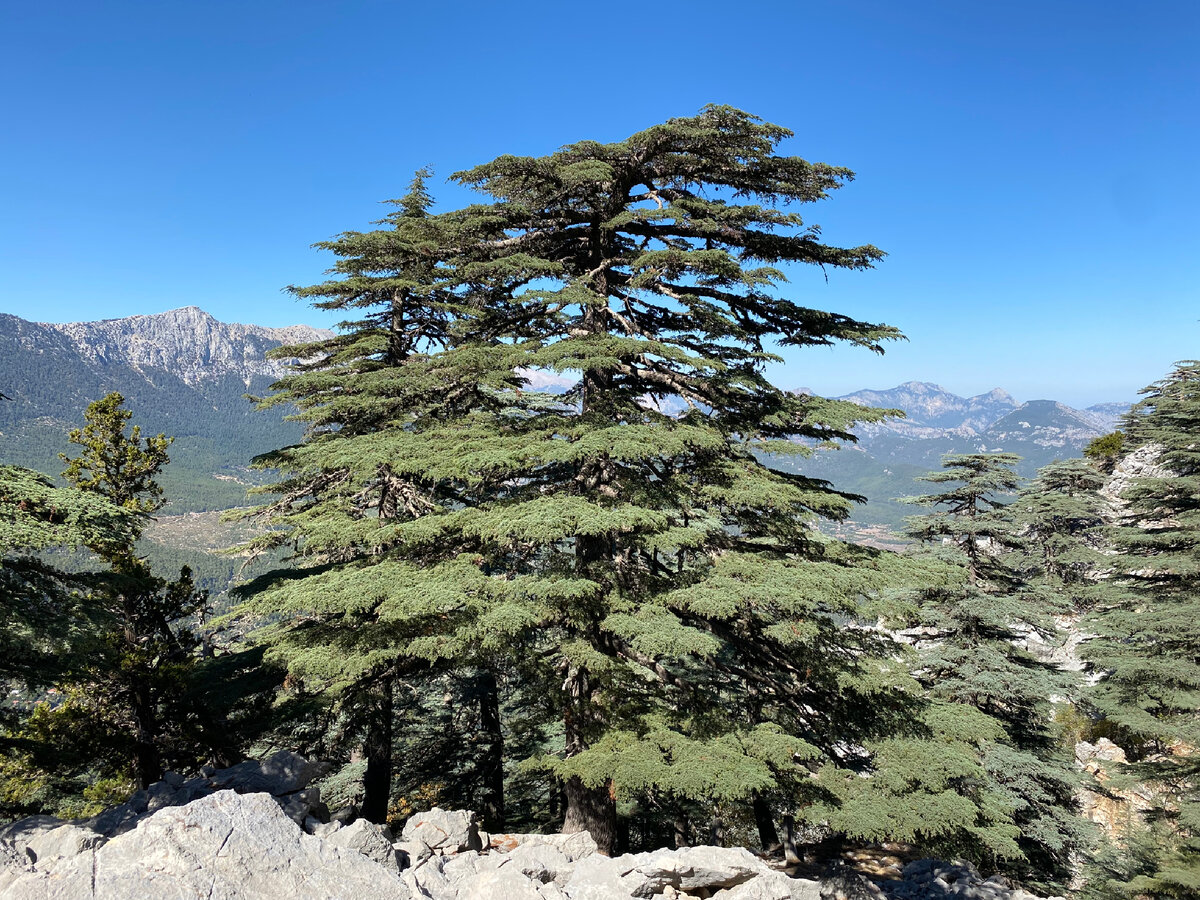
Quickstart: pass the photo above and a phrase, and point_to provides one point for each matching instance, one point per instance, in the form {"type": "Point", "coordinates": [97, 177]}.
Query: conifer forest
{"type": "Point", "coordinates": [625, 607]}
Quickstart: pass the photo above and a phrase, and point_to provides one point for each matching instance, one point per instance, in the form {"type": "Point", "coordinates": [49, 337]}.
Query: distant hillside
{"type": "Point", "coordinates": [889, 456]}
{"type": "Point", "coordinates": [186, 374]}
{"type": "Point", "coordinates": [182, 372]}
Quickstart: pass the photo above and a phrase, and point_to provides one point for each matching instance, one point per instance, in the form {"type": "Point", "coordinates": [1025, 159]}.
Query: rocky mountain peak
{"type": "Point", "coordinates": [996, 395]}
{"type": "Point", "coordinates": [927, 405]}
{"type": "Point", "coordinates": [188, 342]}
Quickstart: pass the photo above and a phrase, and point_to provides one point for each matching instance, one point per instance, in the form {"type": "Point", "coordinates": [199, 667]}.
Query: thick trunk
{"type": "Point", "coordinates": [767, 835]}
{"type": "Point", "coordinates": [592, 809]}
{"type": "Point", "coordinates": [377, 748]}
{"type": "Point", "coordinates": [492, 754]}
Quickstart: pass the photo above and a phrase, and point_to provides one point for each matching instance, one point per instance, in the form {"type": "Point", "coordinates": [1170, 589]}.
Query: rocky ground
{"type": "Point", "coordinates": [257, 831]}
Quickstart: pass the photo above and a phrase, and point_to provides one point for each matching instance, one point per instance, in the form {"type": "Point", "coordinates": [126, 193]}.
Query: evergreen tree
{"type": "Point", "coordinates": [970, 655]}
{"type": "Point", "coordinates": [1106, 450]}
{"type": "Point", "coordinates": [44, 611]}
{"type": "Point", "coordinates": [1063, 520]}
{"type": "Point", "coordinates": [655, 584]}
{"type": "Point", "coordinates": [364, 393]}
{"type": "Point", "coordinates": [139, 657]}
{"type": "Point", "coordinates": [1147, 645]}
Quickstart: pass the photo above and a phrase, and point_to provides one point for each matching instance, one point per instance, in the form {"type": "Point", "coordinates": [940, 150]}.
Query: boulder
{"type": "Point", "coordinates": [843, 883]}
{"type": "Point", "coordinates": [371, 840]}
{"type": "Point", "coordinates": [596, 878]}
{"type": "Point", "coordinates": [62, 842]}
{"type": "Point", "coordinates": [20, 832]}
{"type": "Point", "coordinates": [429, 880]}
{"type": "Point", "coordinates": [500, 884]}
{"type": "Point", "coordinates": [283, 772]}
{"type": "Point", "coordinates": [540, 862]}
{"type": "Point", "coordinates": [411, 853]}
{"type": "Point", "coordinates": [302, 804]}
{"type": "Point", "coordinates": [227, 845]}
{"type": "Point", "coordinates": [460, 867]}
{"type": "Point", "coordinates": [771, 886]}
{"type": "Point", "coordinates": [692, 869]}
{"type": "Point", "coordinates": [447, 831]}
{"type": "Point", "coordinates": [572, 846]}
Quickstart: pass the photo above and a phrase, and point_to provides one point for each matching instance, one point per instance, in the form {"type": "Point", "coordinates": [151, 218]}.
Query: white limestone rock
{"type": "Point", "coordinates": [449, 831]}
{"type": "Point", "coordinates": [227, 846]}
{"type": "Point", "coordinates": [371, 840]}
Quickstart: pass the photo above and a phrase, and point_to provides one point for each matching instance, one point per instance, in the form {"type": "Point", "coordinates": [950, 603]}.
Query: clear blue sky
{"type": "Point", "coordinates": [1031, 168]}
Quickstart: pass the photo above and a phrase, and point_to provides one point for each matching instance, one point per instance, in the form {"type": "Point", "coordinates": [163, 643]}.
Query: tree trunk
{"type": "Point", "coordinates": [716, 832]}
{"type": "Point", "coordinates": [682, 830]}
{"type": "Point", "coordinates": [147, 765]}
{"type": "Point", "coordinates": [492, 755]}
{"type": "Point", "coordinates": [377, 748]}
{"type": "Point", "coordinates": [591, 809]}
{"type": "Point", "coordinates": [791, 855]}
{"type": "Point", "coordinates": [767, 835]}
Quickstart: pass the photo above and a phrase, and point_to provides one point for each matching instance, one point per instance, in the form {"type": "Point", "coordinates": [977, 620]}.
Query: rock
{"type": "Point", "coordinates": [371, 840]}
{"type": "Point", "coordinates": [694, 868]}
{"type": "Point", "coordinates": [499, 884]}
{"type": "Point", "coordinates": [64, 841]}
{"type": "Point", "coordinates": [237, 846]}
{"type": "Point", "coordinates": [596, 878]}
{"type": "Point", "coordinates": [572, 846]}
{"type": "Point", "coordinates": [447, 831]}
{"type": "Point", "coordinates": [283, 772]}
{"type": "Point", "coordinates": [324, 829]}
{"type": "Point", "coordinates": [412, 853]}
{"type": "Point", "coordinates": [771, 886]}
{"type": "Point", "coordinates": [345, 815]}
{"type": "Point", "coordinates": [226, 845]}
{"type": "Point", "coordinates": [429, 880]}
{"type": "Point", "coordinates": [300, 805]}
{"type": "Point", "coordinates": [539, 862]}
{"type": "Point", "coordinates": [13, 864]}
{"type": "Point", "coordinates": [460, 867]}
{"type": "Point", "coordinates": [843, 883]}
{"type": "Point", "coordinates": [1141, 463]}
{"type": "Point", "coordinates": [115, 821]}
{"type": "Point", "coordinates": [22, 831]}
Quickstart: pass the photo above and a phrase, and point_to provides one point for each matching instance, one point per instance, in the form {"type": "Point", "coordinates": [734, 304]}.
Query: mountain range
{"type": "Point", "coordinates": [182, 373]}
{"type": "Point", "coordinates": [186, 374]}
{"type": "Point", "coordinates": [888, 457]}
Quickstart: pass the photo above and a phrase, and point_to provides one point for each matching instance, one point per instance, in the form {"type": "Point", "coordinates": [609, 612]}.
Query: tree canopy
{"type": "Point", "coordinates": [651, 570]}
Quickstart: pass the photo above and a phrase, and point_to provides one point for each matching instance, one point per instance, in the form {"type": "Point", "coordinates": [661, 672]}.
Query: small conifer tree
{"type": "Point", "coordinates": [971, 656]}
{"type": "Point", "coordinates": [140, 654]}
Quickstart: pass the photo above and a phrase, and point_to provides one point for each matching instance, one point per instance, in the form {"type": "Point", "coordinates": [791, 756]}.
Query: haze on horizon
{"type": "Point", "coordinates": [1029, 169]}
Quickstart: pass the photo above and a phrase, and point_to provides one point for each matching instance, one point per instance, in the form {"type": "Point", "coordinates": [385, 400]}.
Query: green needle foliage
{"type": "Point", "coordinates": [970, 657]}
{"type": "Point", "coordinates": [663, 587]}
{"type": "Point", "coordinates": [42, 607]}
{"type": "Point", "coordinates": [1063, 520]}
{"type": "Point", "coordinates": [126, 682]}
{"type": "Point", "coordinates": [1147, 644]}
